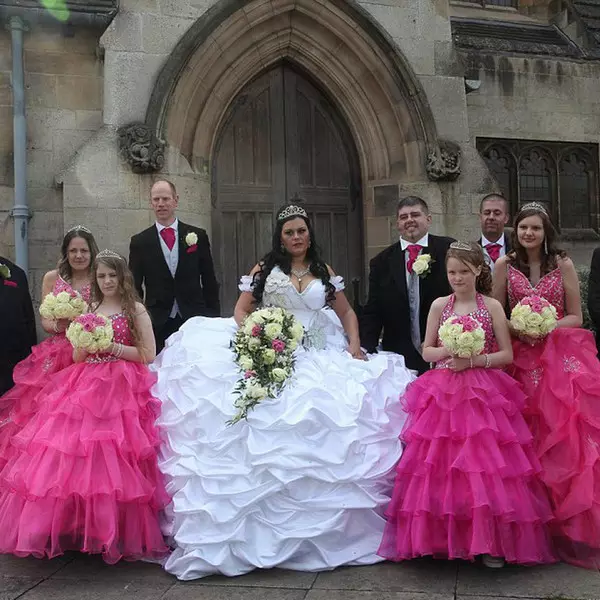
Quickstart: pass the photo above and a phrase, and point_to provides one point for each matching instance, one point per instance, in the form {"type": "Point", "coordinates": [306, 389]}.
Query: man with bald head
{"type": "Point", "coordinates": [172, 267]}
{"type": "Point", "coordinates": [494, 215]}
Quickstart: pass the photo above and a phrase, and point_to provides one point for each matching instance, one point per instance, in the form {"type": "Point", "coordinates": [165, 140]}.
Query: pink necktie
{"type": "Point", "coordinates": [494, 251]}
{"type": "Point", "coordinates": [413, 252]}
{"type": "Point", "coordinates": [168, 235]}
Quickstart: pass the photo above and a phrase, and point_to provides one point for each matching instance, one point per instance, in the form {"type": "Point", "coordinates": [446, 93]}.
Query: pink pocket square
{"type": "Point", "coordinates": [192, 249]}
{"type": "Point", "coordinates": [10, 283]}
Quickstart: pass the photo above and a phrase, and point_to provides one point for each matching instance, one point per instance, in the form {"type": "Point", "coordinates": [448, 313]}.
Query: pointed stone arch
{"type": "Point", "coordinates": [336, 41]}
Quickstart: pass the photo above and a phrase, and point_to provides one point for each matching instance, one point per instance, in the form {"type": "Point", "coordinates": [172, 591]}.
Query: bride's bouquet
{"type": "Point", "coordinates": [533, 317]}
{"type": "Point", "coordinates": [462, 336]}
{"type": "Point", "coordinates": [64, 305]}
{"type": "Point", "coordinates": [91, 332]}
{"type": "Point", "coordinates": [264, 351]}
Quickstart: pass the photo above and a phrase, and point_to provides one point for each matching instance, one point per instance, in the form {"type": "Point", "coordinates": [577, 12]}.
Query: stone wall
{"type": "Point", "coordinates": [538, 99]}
{"type": "Point", "coordinates": [63, 79]}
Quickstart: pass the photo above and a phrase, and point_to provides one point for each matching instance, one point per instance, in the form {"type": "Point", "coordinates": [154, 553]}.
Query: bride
{"type": "Point", "coordinates": [302, 482]}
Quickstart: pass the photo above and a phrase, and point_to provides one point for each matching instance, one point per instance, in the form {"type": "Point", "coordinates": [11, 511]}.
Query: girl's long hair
{"type": "Point", "coordinates": [474, 257]}
{"type": "Point", "coordinates": [549, 251]}
{"type": "Point", "coordinates": [278, 256]}
{"type": "Point", "coordinates": [64, 268]}
{"type": "Point", "coordinates": [129, 296]}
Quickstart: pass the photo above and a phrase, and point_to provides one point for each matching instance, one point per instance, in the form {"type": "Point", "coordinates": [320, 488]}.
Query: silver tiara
{"type": "Point", "coordinates": [109, 254]}
{"type": "Point", "coordinates": [80, 228]}
{"type": "Point", "coordinates": [534, 206]}
{"type": "Point", "coordinates": [461, 246]}
{"type": "Point", "coordinates": [292, 211]}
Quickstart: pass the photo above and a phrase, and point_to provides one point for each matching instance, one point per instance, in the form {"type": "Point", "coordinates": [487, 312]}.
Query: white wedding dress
{"type": "Point", "coordinates": [303, 482]}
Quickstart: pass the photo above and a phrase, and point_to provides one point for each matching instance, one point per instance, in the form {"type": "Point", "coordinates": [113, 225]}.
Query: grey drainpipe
{"type": "Point", "coordinates": [20, 211]}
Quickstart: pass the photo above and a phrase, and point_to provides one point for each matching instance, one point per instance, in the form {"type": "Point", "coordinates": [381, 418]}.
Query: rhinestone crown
{"type": "Point", "coordinates": [79, 228]}
{"type": "Point", "coordinates": [461, 246]}
{"type": "Point", "coordinates": [109, 254]}
{"type": "Point", "coordinates": [292, 211]}
{"type": "Point", "coordinates": [534, 206]}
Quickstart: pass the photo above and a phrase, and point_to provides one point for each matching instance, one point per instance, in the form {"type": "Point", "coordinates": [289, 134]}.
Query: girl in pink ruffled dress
{"type": "Point", "coordinates": [84, 473]}
{"type": "Point", "coordinates": [467, 482]}
{"type": "Point", "coordinates": [74, 274]}
{"type": "Point", "coordinates": [561, 375]}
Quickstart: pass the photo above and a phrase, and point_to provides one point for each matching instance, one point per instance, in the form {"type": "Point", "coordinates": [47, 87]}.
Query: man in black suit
{"type": "Point", "coordinates": [172, 262]}
{"type": "Point", "coordinates": [494, 215]}
{"type": "Point", "coordinates": [17, 326]}
{"type": "Point", "coordinates": [593, 300]}
{"type": "Point", "coordinates": [403, 283]}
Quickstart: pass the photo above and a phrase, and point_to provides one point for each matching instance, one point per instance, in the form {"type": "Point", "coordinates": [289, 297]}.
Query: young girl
{"type": "Point", "coordinates": [560, 374]}
{"type": "Point", "coordinates": [84, 474]}
{"type": "Point", "coordinates": [466, 484]}
{"type": "Point", "coordinates": [74, 274]}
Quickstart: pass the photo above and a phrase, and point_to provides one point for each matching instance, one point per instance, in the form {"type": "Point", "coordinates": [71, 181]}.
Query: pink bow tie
{"type": "Point", "coordinates": [494, 251]}
{"type": "Point", "coordinates": [168, 235]}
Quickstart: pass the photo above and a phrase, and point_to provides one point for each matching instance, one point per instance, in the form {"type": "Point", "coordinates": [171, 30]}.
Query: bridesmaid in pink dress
{"type": "Point", "coordinates": [467, 482]}
{"type": "Point", "coordinates": [83, 475]}
{"type": "Point", "coordinates": [78, 251]}
{"type": "Point", "coordinates": [561, 376]}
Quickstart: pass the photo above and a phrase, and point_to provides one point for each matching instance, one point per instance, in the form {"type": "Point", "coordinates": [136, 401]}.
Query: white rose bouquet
{"type": "Point", "coordinates": [64, 305]}
{"type": "Point", "coordinates": [533, 317]}
{"type": "Point", "coordinates": [91, 332]}
{"type": "Point", "coordinates": [422, 265]}
{"type": "Point", "coordinates": [264, 351]}
{"type": "Point", "coordinates": [462, 336]}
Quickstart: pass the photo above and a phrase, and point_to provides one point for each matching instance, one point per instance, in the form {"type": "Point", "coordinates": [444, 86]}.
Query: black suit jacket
{"type": "Point", "coordinates": [388, 307]}
{"type": "Point", "coordinates": [17, 326]}
{"type": "Point", "coordinates": [194, 286]}
{"type": "Point", "coordinates": [593, 301]}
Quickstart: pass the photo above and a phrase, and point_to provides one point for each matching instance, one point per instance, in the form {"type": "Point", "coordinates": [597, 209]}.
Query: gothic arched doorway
{"type": "Point", "coordinates": [282, 139]}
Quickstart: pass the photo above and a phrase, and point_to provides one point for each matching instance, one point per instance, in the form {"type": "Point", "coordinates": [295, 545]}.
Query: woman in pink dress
{"type": "Point", "coordinates": [561, 375]}
{"type": "Point", "coordinates": [467, 482]}
{"type": "Point", "coordinates": [78, 251]}
{"type": "Point", "coordinates": [84, 472]}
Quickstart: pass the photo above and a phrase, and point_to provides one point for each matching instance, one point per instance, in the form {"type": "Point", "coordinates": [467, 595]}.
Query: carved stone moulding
{"type": "Point", "coordinates": [141, 148]}
{"type": "Point", "coordinates": [443, 162]}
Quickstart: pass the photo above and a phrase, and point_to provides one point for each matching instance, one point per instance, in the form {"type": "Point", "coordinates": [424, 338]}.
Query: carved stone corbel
{"type": "Point", "coordinates": [141, 148]}
{"type": "Point", "coordinates": [443, 162]}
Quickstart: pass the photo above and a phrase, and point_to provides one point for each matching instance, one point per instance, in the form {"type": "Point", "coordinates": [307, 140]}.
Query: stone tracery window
{"type": "Point", "coordinates": [563, 177]}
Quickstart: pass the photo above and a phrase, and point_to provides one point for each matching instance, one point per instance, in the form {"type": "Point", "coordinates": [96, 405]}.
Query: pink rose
{"type": "Point", "coordinates": [278, 345]}
{"type": "Point", "coordinates": [256, 330]}
{"type": "Point", "coordinates": [249, 374]}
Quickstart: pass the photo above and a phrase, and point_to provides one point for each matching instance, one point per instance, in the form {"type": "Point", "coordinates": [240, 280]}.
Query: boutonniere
{"type": "Point", "coordinates": [422, 265]}
{"type": "Point", "coordinates": [5, 275]}
{"type": "Point", "coordinates": [191, 239]}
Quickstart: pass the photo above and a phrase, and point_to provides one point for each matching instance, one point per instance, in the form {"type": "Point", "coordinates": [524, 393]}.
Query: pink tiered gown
{"type": "Point", "coordinates": [467, 482]}
{"type": "Point", "coordinates": [84, 472]}
{"type": "Point", "coordinates": [31, 375]}
{"type": "Point", "coordinates": [561, 376]}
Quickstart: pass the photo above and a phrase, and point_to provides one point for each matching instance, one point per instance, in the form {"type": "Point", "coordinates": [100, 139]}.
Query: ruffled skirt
{"type": "Point", "coordinates": [562, 378]}
{"type": "Point", "coordinates": [83, 473]}
{"type": "Point", "coordinates": [467, 483]}
{"type": "Point", "coordinates": [302, 483]}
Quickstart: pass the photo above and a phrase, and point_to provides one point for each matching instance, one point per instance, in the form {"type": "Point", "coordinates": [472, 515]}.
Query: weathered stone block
{"type": "Point", "coordinates": [40, 90]}
{"type": "Point", "coordinates": [40, 168]}
{"type": "Point", "coordinates": [124, 33]}
{"type": "Point", "coordinates": [160, 34]}
{"type": "Point", "coordinates": [88, 119]}
{"type": "Point", "coordinates": [79, 92]}
{"type": "Point", "coordinates": [66, 142]}
{"type": "Point", "coordinates": [46, 227]}
{"type": "Point", "coordinates": [61, 63]}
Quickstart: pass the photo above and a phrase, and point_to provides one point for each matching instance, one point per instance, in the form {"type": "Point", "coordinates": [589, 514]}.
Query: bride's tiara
{"type": "Point", "coordinates": [461, 246]}
{"type": "Point", "coordinates": [79, 228]}
{"type": "Point", "coordinates": [292, 211]}
{"type": "Point", "coordinates": [534, 206]}
{"type": "Point", "coordinates": [109, 254]}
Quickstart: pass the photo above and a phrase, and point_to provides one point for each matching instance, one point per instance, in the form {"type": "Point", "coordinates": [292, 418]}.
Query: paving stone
{"type": "Point", "coordinates": [76, 589]}
{"type": "Point", "coordinates": [356, 595]}
{"type": "Point", "coordinates": [184, 591]}
{"type": "Point", "coordinates": [552, 581]}
{"type": "Point", "coordinates": [93, 568]}
{"type": "Point", "coordinates": [428, 576]}
{"type": "Point", "coordinates": [13, 587]}
{"type": "Point", "coordinates": [31, 568]}
{"type": "Point", "coordinates": [266, 578]}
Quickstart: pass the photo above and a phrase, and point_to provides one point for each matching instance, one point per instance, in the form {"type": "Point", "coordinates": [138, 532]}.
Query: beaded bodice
{"type": "Point", "coordinates": [550, 287]}
{"type": "Point", "coordinates": [481, 315]}
{"type": "Point", "coordinates": [121, 335]}
{"type": "Point", "coordinates": [64, 286]}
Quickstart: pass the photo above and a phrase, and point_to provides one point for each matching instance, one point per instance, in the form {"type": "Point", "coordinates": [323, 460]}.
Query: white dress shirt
{"type": "Point", "coordinates": [485, 242]}
{"type": "Point", "coordinates": [171, 256]}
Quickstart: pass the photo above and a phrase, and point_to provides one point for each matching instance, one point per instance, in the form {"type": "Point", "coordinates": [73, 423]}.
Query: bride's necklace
{"type": "Point", "coordinates": [300, 273]}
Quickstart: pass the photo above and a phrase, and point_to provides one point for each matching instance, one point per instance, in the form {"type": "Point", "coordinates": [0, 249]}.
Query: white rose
{"type": "Point", "coordinates": [272, 330]}
{"type": "Point", "coordinates": [63, 297]}
{"type": "Point", "coordinates": [257, 392]}
{"type": "Point", "coordinates": [246, 363]}
{"type": "Point", "coordinates": [191, 239]}
{"type": "Point", "coordinates": [421, 264]}
{"type": "Point", "coordinates": [297, 331]}
{"type": "Point", "coordinates": [253, 343]}
{"type": "Point", "coordinates": [269, 356]}
{"type": "Point", "coordinates": [279, 375]}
